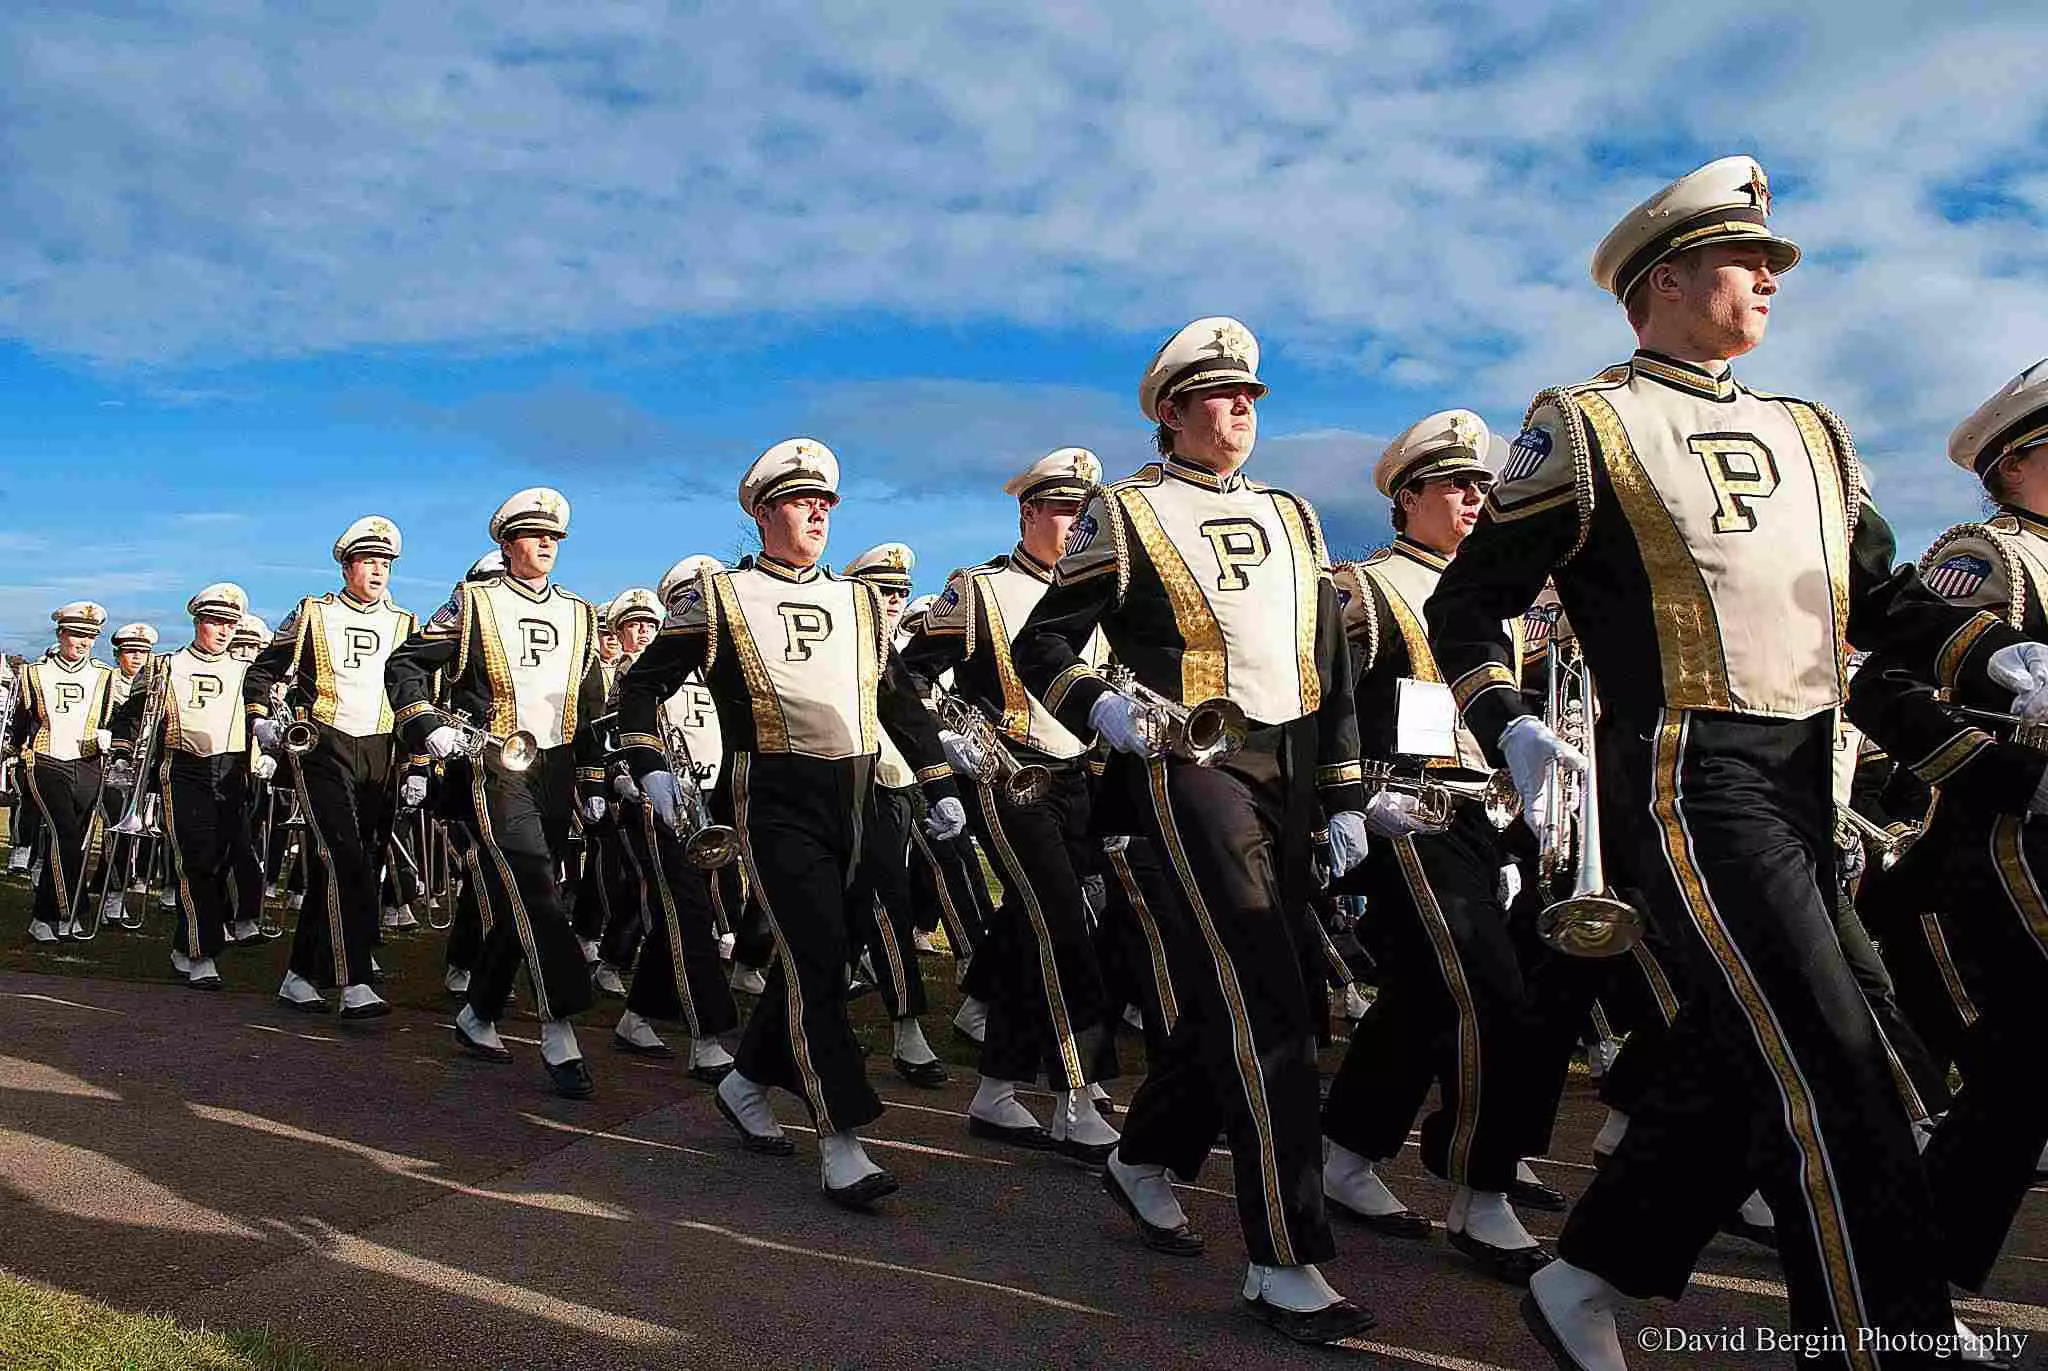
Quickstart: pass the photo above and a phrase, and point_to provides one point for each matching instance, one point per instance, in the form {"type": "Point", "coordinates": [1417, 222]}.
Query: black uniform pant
{"type": "Point", "coordinates": [344, 791]}
{"type": "Point", "coordinates": [1777, 1075]}
{"type": "Point", "coordinates": [1981, 1161]}
{"type": "Point", "coordinates": [1241, 1057]}
{"type": "Point", "coordinates": [206, 823]}
{"type": "Point", "coordinates": [799, 825]}
{"type": "Point", "coordinates": [607, 894]}
{"type": "Point", "coordinates": [63, 793]}
{"type": "Point", "coordinates": [880, 903]}
{"type": "Point", "coordinates": [1451, 1009]}
{"type": "Point", "coordinates": [471, 920]}
{"type": "Point", "coordinates": [25, 822]}
{"type": "Point", "coordinates": [1140, 899]}
{"type": "Point", "coordinates": [678, 976]}
{"type": "Point", "coordinates": [950, 890]}
{"type": "Point", "coordinates": [518, 822]}
{"type": "Point", "coordinates": [1048, 1009]}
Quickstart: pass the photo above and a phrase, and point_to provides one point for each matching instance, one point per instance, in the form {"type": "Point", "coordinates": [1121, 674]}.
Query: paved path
{"type": "Point", "coordinates": [375, 1194]}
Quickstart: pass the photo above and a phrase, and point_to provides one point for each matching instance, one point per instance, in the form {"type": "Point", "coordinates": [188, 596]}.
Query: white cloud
{"type": "Point", "coordinates": [1406, 196]}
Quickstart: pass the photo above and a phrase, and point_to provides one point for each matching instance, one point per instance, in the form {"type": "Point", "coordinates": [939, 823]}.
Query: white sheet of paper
{"type": "Point", "coordinates": [1425, 719]}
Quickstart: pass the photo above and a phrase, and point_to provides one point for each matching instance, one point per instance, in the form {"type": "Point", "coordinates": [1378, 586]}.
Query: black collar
{"type": "Point", "coordinates": [1201, 476]}
{"type": "Point", "coordinates": [74, 668]}
{"type": "Point", "coordinates": [783, 571]}
{"type": "Point", "coordinates": [203, 656]}
{"type": "Point", "coordinates": [1029, 565]}
{"type": "Point", "coordinates": [1688, 377]}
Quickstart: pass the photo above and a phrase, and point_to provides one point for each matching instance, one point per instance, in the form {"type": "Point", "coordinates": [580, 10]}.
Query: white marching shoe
{"type": "Point", "coordinates": [745, 1106]}
{"type": "Point", "coordinates": [1484, 1226]}
{"type": "Point", "coordinates": [1356, 1191]}
{"type": "Point", "coordinates": [749, 980]}
{"type": "Point", "coordinates": [18, 860]}
{"type": "Point", "coordinates": [1297, 1302]}
{"type": "Point", "coordinates": [995, 1113]}
{"type": "Point", "coordinates": [1571, 1312]}
{"type": "Point", "coordinates": [41, 932]}
{"type": "Point", "coordinates": [606, 979]}
{"type": "Point", "coordinates": [848, 1176]}
{"type": "Point", "coordinates": [358, 1001]}
{"type": "Point", "coordinates": [635, 1036]}
{"type": "Point", "coordinates": [972, 1019]}
{"type": "Point", "coordinates": [457, 981]}
{"type": "Point", "coordinates": [1078, 1130]}
{"type": "Point", "coordinates": [301, 994]}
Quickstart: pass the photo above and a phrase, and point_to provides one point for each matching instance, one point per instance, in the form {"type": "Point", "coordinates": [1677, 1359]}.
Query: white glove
{"type": "Point", "coordinates": [412, 792]}
{"type": "Point", "coordinates": [1116, 842]}
{"type": "Point", "coordinates": [269, 733]}
{"type": "Point", "coordinates": [1114, 716]}
{"type": "Point", "coordinates": [1347, 841]}
{"type": "Point", "coordinates": [1397, 814]}
{"type": "Point", "coordinates": [102, 741]}
{"type": "Point", "coordinates": [665, 794]}
{"type": "Point", "coordinates": [1095, 893]}
{"type": "Point", "coordinates": [962, 753]}
{"type": "Point", "coordinates": [1510, 884]}
{"type": "Point", "coordinates": [444, 742]}
{"type": "Point", "coordinates": [623, 787]}
{"type": "Point", "coordinates": [593, 809]}
{"type": "Point", "coordinates": [1531, 750]}
{"type": "Point", "coordinates": [2022, 668]}
{"type": "Point", "coordinates": [1854, 858]}
{"type": "Point", "coordinates": [947, 821]}
{"type": "Point", "coordinates": [263, 767]}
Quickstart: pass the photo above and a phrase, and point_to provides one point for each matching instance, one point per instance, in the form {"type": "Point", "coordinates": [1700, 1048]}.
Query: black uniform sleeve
{"type": "Point", "coordinates": [1891, 610]}
{"type": "Point", "coordinates": [929, 656]}
{"type": "Point", "coordinates": [590, 749]}
{"type": "Point", "coordinates": [273, 664]}
{"type": "Point", "coordinates": [1339, 776]}
{"type": "Point", "coordinates": [1498, 573]}
{"type": "Point", "coordinates": [126, 720]}
{"type": "Point", "coordinates": [1910, 721]}
{"type": "Point", "coordinates": [656, 675]}
{"type": "Point", "coordinates": [900, 706]}
{"type": "Point", "coordinates": [410, 670]}
{"type": "Point", "coordinates": [22, 724]}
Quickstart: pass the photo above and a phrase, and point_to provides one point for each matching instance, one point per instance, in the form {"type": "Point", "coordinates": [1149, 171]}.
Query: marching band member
{"type": "Point", "coordinates": [692, 710]}
{"type": "Point", "coordinates": [58, 730]}
{"type": "Point", "coordinates": [804, 680]}
{"type": "Point", "coordinates": [612, 924]}
{"type": "Point", "coordinates": [519, 655]}
{"type": "Point", "coordinates": [246, 887]}
{"type": "Point", "coordinates": [250, 636]}
{"type": "Point", "coordinates": [1207, 584]}
{"type": "Point", "coordinates": [470, 922]}
{"type": "Point", "coordinates": [1989, 862]}
{"type": "Point", "coordinates": [134, 645]}
{"type": "Point", "coordinates": [678, 975]}
{"type": "Point", "coordinates": [329, 654]}
{"type": "Point", "coordinates": [1049, 1011]}
{"type": "Point", "coordinates": [880, 902]}
{"type": "Point", "coordinates": [1452, 1003]}
{"type": "Point", "coordinates": [204, 772]}
{"type": "Point", "coordinates": [1714, 548]}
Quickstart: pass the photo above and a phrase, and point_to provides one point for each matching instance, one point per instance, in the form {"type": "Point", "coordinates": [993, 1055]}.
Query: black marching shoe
{"type": "Point", "coordinates": [1762, 1234]}
{"type": "Point", "coordinates": [1032, 1136]}
{"type": "Point", "coordinates": [1402, 1223]}
{"type": "Point", "coordinates": [313, 1006]}
{"type": "Point", "coordinates": [863, 1193]}
{"type": "Point", "coordinates": [1545, 1199]}
{"type": "Point", "coordinates": [633, 1049]}
{"type": "Point", "coordinates": [481, 1050]}
{"type": "Point", "coordinates": [712, 1075]}
{"type": "Point", "coordinates": [571, 1079]}
{"type": "Point", "coordinates": [1514, 1265]}
{"type": "Point", "coordinates": [926, 1075]}
{"type": "Point", "coordinates": [1334, 1323]}
{"type": "Point", "coordinates": [1174, 1242]}
{"type": "Point", "coordinates": [762, 1144]}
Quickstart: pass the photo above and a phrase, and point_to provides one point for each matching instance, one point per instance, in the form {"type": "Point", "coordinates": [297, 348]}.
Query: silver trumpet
{"type": "Point", "coordinates": [706, 845]}
{"type": "Point", "coordinates": [1440, 796]}
{"type": "Point", "coordinates": [1019, 783]}
{"type": "Point", "coordinates": [1204, 734]}
{"type": "Point", "coordinates": [1589, 922]}
{"type": "Point", "coordinates": [514, 752]}
{"type": "Point", "coordinates": [1885, 845]}
{"type": "Point", "coordinates": [2012, 727]}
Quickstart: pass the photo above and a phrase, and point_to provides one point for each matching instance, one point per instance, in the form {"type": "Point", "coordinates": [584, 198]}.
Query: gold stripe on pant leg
{"type": "Point", "coordinates": [671, 926]}
{"type": "Point", "coordinates": [55, 852]}
{"type": "Point", "coordinates": [522, 927]}
{"type": "Point", "coordinates": [1048, 962]}
{"type": "Point", "coordinates": [189, 908]}
{"type": "Point", "coordinates": [956, 929]}
{"type": "Point", "coordinates": [1458, 1156]}
{"type": "Point", "coordinates": [338, 944]}
{"type": "Point", "coordinates": [792, 991]}
{"type": "Point", "coordinates": [1823, 1204]}
{"type": "Point", "coordinates": [1162, 973]}
{"type": "Point", "coordinates": [1245, 1049]}
{"type": "Point", "coordinates": [1659, 982]}
{"type": "Point", "coordinates": [1945, 962]}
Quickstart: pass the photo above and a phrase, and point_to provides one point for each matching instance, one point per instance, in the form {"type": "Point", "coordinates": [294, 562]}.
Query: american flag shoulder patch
{"type": "Point", "coordinates": [1538, 621]}
{"type": "Point", "coordinates": [1959, 576]}
{"type": "Point", "coordinates": [1525, 455]}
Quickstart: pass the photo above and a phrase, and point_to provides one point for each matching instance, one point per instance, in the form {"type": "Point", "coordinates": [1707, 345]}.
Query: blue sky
{"type": "Point", "coordinates": [262, 273]}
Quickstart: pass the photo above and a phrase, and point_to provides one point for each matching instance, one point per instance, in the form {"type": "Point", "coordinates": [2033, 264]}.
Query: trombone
{"type": "Point", "coordinates": [1203, 734]}
{"type": "Point", "coordinates": [1020, 783]}
{"type": "Point", "coordinates": [706, 845]}
{"type": "Point", "coordinates": [1589, 922]}
{"type": "Point", "coordinates": [138, 817]}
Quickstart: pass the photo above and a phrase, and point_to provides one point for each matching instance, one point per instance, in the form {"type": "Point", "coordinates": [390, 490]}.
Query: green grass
{"type": "Point", "coordinates": [42, 1329]}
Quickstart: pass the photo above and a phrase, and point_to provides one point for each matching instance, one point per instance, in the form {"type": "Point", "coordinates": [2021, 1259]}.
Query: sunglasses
{"type": "Point", "coordinates": [1469, 480]}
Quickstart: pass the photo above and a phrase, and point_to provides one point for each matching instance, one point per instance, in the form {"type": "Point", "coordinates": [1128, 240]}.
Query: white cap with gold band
{"type": "Point", "coordinates": [80, 616]}
{"type": "Point", "coordinates": [2011, 421]}
{"type": "Point", "coordinates": [250, 631]}
{"type": "Point", "coordinates": [1212, 352]}
{"type": "Point", "coordinates": [628, 605]}
{"type": "Point", "coordinates": [1448, 442]}
{"type": "Point", "coordinates": [221, 600]}
{"type": "Point", "coordinates": [1725, 201]}
{"type": "Point", "coordinates": [887, 565]}
{"type": "Point", "coordinates": [373, 535]}
{"type": "Point", "coordinates": [1067, 473]}
{"type": "Point", "coordinates": [134, 635]}
{"type": "Point", "coordinates": [531, 511]}
{"type": "Point", "coordinates": [794, 466]}
{"type": "Point", "coordinates": [684, 573]}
